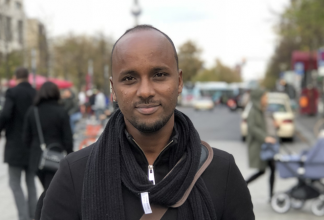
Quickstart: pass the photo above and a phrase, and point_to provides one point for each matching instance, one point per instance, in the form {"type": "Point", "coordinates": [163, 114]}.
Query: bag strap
{"type": "Point", "coordinates": [159, 211]}
{"type": "Point", "coordinates": [39, 130]}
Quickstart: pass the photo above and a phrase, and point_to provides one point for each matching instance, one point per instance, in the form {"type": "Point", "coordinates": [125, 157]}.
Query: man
{"type": "Point", "coordinates": [18, 100]}
{"type": "Point", "coordinates": [71, 106]}
{"type": "Point", "coordinates": [149, 158]}
{"type": "Point", "coordinates": [288, 89]}
{"type": "Point", "coordinates": [99, 104]}
{"type": "Point", "coordinates": [291, 92]}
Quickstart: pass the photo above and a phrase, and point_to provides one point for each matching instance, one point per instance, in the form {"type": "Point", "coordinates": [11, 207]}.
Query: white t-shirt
{"type": "Point", "coordinates": [82, 98]}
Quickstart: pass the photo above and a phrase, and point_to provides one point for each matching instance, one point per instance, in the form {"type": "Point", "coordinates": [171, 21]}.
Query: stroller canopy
{"type": "Point", "coordinates": [316, 153]}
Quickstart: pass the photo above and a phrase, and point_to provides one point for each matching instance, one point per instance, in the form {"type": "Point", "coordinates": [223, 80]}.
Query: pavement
{"type": "Point", "coordinates": [220, 129]}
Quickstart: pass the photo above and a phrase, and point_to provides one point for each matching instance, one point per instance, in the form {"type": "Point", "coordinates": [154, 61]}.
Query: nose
{"type": "Point", "coordinates": [145, 89]}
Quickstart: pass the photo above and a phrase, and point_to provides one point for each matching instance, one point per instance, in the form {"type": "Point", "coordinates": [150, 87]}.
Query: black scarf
{"type": "Point", "coordinates": [112, 164]}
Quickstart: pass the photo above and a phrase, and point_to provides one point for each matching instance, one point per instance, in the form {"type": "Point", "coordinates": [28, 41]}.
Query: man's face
{"type": "Point", "coordinates": [66, 94]}
{"type": "Point", "coordinates": [145, 79]}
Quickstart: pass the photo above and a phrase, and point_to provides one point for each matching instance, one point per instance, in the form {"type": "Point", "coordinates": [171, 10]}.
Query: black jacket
{"type": "Point", "coordinates": [18, 100]}
{"type": "Point", "coordinates": [56, 128]}
{"type": "Point", "coordinates": [223, 179]}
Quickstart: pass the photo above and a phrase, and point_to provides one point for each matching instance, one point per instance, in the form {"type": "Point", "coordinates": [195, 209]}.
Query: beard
{"type": "Point", "coordinates": [150, 128]}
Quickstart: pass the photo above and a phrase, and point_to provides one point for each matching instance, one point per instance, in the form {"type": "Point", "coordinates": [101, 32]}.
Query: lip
{"type": "Point", "coordinates": [147, 109]}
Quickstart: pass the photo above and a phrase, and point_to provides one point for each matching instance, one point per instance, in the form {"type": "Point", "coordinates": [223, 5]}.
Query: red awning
{"type": "Point", "coordinates": [62, 84]}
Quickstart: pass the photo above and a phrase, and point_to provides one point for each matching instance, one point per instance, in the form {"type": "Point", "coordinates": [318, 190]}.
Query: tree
{"type": "Point", "coordinates": [72, 53]}
{"type": "Point", "coordinates": [219, 72]}
{"type": "Point", "coordinates": [9, 62]}
{"type": "Point", "coordinates": [300, 27]}
{"type": "Point", "coordinates": [189, 60]}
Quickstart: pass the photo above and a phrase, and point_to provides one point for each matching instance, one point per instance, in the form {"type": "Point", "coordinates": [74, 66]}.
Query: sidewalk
{"type": "Point", "coordinates": [305, 127]}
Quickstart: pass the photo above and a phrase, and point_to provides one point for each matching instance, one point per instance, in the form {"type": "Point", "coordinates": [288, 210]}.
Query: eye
{"type": "Point", "coordinates": [160, 75]}
{"type": "Point", "coordinates": [128, 78]}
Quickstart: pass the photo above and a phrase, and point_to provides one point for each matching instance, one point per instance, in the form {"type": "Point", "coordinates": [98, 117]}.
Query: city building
{"type": "Point", "coordinates": [36, 45]}
{"type": "Point", "coordinates": [12, 25]}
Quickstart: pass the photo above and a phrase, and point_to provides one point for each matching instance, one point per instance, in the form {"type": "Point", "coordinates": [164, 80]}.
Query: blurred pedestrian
{"type": "Point", "coordinates": [82, 100]}
{"type": "Point", "coordinates": [18, 100]}
{"type": "Point", "coordinates": [55, 124]}
{"type": "Point", "coordinates": [291, 92]}
{"type": "Point", "coordinates": [257, 135]}
{"type": "Point", "coordinates": [288, 89]}
{"type": "Point", "coordinates": [99, 104]}
{"type": "Point", "coordinates": [71, 106]}
{"type": "Point", "coordinates": [82, 96]}
{"type": "Point", "coordinates": [92, 96]}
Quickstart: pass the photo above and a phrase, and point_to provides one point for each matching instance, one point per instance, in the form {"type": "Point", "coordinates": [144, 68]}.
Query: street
{"type": "Point", "coordinates": [220, 128]}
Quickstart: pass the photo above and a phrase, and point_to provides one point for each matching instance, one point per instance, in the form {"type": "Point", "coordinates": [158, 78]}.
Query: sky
{"type": "Point", "coordinates": [229, 30]}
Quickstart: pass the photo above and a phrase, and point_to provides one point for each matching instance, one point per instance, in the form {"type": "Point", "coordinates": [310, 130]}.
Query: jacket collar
{"type": "Point", "coordinates": [164, 154]}
{"type": "Point", "coordinates": [24, 83]}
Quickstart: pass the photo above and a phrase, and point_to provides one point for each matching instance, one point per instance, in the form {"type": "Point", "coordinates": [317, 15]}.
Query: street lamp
{"type": "Point", "coordinates": [33, 66]}
{"type": "Point", "coordinates": [90, 72]}
{"type": "Point", "coordinates": [136, 11]}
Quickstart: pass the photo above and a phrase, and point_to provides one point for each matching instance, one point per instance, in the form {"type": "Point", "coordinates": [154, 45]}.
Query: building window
{"type": "Point", "coordinates": [18, 5]}
{"type": "Point", "coordinates": [8, 31]}
{"type": "Point", "coordinates": [20, 32]}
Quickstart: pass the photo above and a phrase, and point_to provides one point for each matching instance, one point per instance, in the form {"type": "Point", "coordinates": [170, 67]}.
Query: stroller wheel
{"type": "Point", "coordinates": [318, 207]}
{"type": "Point", "coordinates": [281, 202]}
{"type": "Point", "coordinates": [297, 203]}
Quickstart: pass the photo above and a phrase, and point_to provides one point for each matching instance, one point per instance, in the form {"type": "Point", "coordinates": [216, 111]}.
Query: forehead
{"type": "Point", "coordinates": [143, 48]}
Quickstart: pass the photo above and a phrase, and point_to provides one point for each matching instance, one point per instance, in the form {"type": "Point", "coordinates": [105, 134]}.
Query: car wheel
{"type": "Point", "coordinates": [281, 202]}
{"type": "Point", "coordinates": [243, 139]}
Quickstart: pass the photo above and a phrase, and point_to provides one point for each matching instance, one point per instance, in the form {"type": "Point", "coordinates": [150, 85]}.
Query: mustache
{"type": "Point", "coordinates": [147, 102]}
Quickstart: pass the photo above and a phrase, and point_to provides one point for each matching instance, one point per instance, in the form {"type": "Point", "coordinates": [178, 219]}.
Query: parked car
{"type": "Point", "coordinates": [279, 105]}
{"type": "Point", "coordinates": [204, 103]}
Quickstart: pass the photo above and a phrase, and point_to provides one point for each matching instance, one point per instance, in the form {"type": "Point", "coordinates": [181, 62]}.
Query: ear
{"type": "Point", "coordinates": [112, 89]}
{"type": "Point", "coordinates": [180, 83]}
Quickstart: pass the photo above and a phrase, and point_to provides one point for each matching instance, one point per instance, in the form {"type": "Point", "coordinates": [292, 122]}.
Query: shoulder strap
{"type": "Point", "coordinates": [201, 170]}
{"type": "Point", "coordinates": [158, 211]}
{"type": "Point", "coordinates": [39, 129]}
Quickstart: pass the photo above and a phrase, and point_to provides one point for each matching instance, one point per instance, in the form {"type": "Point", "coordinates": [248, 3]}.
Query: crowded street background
{"type": "Point", "coordinates": [253, 77]}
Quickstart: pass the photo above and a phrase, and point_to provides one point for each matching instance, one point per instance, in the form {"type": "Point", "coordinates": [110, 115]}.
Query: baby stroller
{"type": "Point", "coordinates": [308, 168]}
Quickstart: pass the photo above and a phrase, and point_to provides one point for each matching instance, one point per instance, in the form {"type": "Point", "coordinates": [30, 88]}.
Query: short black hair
{"type": "Point", "coordinates": [22, 73]}
{"type": "Point", "coordinates": [48, 91]}
{"type": "Point", "coordinates": [143, 27]}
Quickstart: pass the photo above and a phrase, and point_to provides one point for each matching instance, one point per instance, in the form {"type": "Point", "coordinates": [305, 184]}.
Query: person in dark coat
{"type": "Point", "coordinates": [71, 106]}
{"type": "Point", "coordinates": [257, 135]}
{"type": "Point", "coordinates": [288, 89]}
{"type": "Point", "coordinates": [148, 150]}
{"type": "Point", "coordinates": [18, 100]}
{"type": "Point", "coordinates": [55, 125]}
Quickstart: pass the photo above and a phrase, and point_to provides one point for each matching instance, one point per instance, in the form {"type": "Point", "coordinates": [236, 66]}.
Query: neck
{"type": "Point", "coordinates": [152, 143]}
{"type": "Point", "coordinates": [18, 81]}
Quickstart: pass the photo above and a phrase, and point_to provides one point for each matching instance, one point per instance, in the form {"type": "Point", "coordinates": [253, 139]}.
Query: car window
{"type": "Point", "coordinates": [276, 107]}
